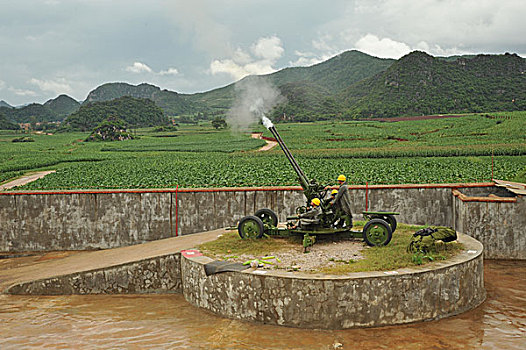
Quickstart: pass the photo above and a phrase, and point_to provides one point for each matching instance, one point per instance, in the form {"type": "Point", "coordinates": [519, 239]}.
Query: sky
{"type": "Point", "coordinates": [53, 47]}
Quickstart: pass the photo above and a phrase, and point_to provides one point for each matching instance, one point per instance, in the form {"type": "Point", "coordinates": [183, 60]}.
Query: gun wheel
{"type": "Point", "coordinates": [391, 220]}
{"type": "Point", "coordinates": [250, 227]}
{"type": "Point", "coordinates": [267, 216]}
{"type": "Point", "coordinates": [377, 232]}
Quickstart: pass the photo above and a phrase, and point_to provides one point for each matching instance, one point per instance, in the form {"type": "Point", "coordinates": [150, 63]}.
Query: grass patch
{"type": "Point", "coordinates": [395, 255]}
{"type": "Point", "coordinates": [231, 244]}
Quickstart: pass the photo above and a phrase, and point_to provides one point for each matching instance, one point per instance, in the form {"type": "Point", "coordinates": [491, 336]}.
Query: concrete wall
{"type": "Point", "coordinates": [366, 299]}
{"type": "Point", "coordinates": [155, 275]}
{"type": "Point", "coordinates": [33, 221]}
{"type": "Point", "coordinates": [420, 206]}
{"type": "Point", "coordinates": [499, 226]}
{"type": "Point", "coordinates": [79, 221]}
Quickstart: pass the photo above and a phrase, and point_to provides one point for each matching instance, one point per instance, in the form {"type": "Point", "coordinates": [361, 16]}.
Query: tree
{"type": "Point", "coordinates": [110, 129]}
{"type": "Point", "coordinates": [219, 123]}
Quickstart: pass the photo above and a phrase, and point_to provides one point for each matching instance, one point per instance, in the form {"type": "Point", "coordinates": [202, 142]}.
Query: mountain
{"type": "Point", "coordinates": [53, 110]}
{"type": "Point", "coordinates": [336, 73]}
{"type": "Point", "coordinates": [171, 102]}
{"type": "Point", "coordinates": [34, 112]}
{"type": "Point", "coordinates": [5, 104]}
{"type": "Point", "coordinates": [422, 84]}
{"type": "Point", "coordinates": [5, 123]}
{"type": "Point", "coordinates": [329, 77]}
{"type": "Point", "coordinates": [350, 85]}
{"type": "Point", "coordinates": [135, 112]}
{"type": "Point", "coordinates": [63, 105]}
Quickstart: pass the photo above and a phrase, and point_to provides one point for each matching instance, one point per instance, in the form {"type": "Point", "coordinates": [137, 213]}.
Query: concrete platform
{"type": "Point", "coordinates": [363, 299]}
{"type": "Point", "coordinates": [74, 263]}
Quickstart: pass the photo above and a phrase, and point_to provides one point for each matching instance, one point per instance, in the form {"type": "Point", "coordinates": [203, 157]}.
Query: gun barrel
{"type": "Point", "coordinates": [303, 178]}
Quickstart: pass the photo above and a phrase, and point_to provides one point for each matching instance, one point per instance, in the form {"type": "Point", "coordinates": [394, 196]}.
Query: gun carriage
{"type": "Point", "coordinates": [377, 231]}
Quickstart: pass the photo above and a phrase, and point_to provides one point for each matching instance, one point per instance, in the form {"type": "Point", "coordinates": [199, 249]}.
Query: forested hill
{"type": "Point", "coordinates": [62, 106]}
{"type": "Point", "coordinates": [422, 84]}
{"type": "Point", "coordinates": [356, 85]}
{"type": "Point", "coordinates": [171, 102]}
{"type": "Point", "coordinates": [53, 110]}
{"type": "Point", "coordinates": [305, 84]}
{"type": "Point", "coordinates": [5, 123]}
{"type": "Point", "coordinates": [135, 112]}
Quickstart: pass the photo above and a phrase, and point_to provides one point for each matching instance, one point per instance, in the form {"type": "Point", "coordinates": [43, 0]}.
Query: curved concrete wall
{"type": "Point", "coordinates": [358, 300]}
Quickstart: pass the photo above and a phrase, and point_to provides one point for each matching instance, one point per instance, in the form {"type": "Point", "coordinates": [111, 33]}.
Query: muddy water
{"type": "Point", "coordinates": [168, 322]}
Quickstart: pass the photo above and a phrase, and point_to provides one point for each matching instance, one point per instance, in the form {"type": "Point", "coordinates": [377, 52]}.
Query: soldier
{"type": "Point", "coordinates": [342, 201]}
{"type": "Point", "coordinates": [311, 217]}
{"type": "Point", "coordinates": [331, 197]}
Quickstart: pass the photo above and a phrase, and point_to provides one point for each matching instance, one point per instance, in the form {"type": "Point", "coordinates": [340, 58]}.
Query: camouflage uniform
{"type": "Point", "coordinates": [342, 203]}
{"type": "Point", "coordinates": [310, 217]}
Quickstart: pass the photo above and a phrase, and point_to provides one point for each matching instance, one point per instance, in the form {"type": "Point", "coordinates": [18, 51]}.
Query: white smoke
{"type": "Point", "coordinates": [266, 122]}
{"type": "Point", "coordinates": [255, 96]}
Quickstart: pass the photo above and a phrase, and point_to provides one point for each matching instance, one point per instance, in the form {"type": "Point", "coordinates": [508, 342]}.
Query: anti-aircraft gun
{"type": "Point", "coordinates": [377, 231]}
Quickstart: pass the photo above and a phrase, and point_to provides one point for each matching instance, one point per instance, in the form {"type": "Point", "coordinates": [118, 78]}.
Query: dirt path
{"type": "Point", "coordinates": [268, 146]}
{"type": "Point", "coordinates": [25, 179]}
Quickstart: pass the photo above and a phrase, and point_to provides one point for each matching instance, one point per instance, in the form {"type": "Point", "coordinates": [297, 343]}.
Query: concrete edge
{"type": "Point", "coordinates": [237, 189]}
{"type": "Point", "coordinates": [21, 284]}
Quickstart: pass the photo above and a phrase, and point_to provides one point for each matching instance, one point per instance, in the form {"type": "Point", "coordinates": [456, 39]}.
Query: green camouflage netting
{"type": "Point", "coordinates": [424, 239]}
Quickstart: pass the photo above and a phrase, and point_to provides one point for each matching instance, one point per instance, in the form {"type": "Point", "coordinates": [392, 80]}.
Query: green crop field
{"type": "Point", "coordinates": [419, 151]}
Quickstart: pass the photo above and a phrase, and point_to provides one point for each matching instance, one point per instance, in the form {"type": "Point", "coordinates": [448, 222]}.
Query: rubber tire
{"type": "Point", "coordinates": [254, 223]}
{"type": "Point", "coordinates": [391, 220]}
{"type": "Point", "coordinates": [373, 224]}
{"type": "Point", "coordinates": [267, 216]}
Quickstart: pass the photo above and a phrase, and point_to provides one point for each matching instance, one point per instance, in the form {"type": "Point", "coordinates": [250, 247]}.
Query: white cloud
{"type": "Point", "coordinates": [169, 71]}
{"type": "Point", "coordinates": [306, 59]}
{"type": "Point", "coordinates": [2, 84]}
{"type": "Point", "coordinates": [58, 86]}
{"type": "Point", "coordinates": [20, 92]}
{"type": "Point", "coordinates": [268, 48]}
{"type": "Point", "coordinates": [383, 48]}
{"type": "Point", "coordinates": [138, 67]}
{"type": "Point", "coordinates": [265, 53]}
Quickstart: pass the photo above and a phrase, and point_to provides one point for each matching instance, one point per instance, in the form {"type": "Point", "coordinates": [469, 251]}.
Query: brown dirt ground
{"type": "Point", "coordinates": [325, 253]}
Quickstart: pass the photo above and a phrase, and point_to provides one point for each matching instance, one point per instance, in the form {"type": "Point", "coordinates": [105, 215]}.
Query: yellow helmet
{"type": "Point", "coordinates": [315, 201]}
{"type": "Point", "coordinates": [333, 192]}
{"type": "Point", "coordinates": [341, 178]}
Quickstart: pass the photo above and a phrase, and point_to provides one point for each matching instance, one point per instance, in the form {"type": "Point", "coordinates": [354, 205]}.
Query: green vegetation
{"type": "Point", "coordinates": [5, 123]}
{"type": "Point", "coordinates": [62, 106]}
{"type": "Point", "coordinates": [110, 129]}
{"type": "Point", "coordinates": [521, 177]}
{"type": "Point", "coordinates": [230, 244]}
{"type": "Point", "coordinates": [395, 256]}
{"type": "Point", "coordinates": [171, 102]}
{"type": "Point", "coordinates": [420, 84]}
{"type": "Point", "coordinates": [219, 123]}
{"type": "Point", "coordinates": [431, 151]}
{"type": "Point", "coordinates": [53, 110]}
{"type": "Point", "coordinates": [23, 139]}
{"type": "Point", "coordinates": [136, 112]}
